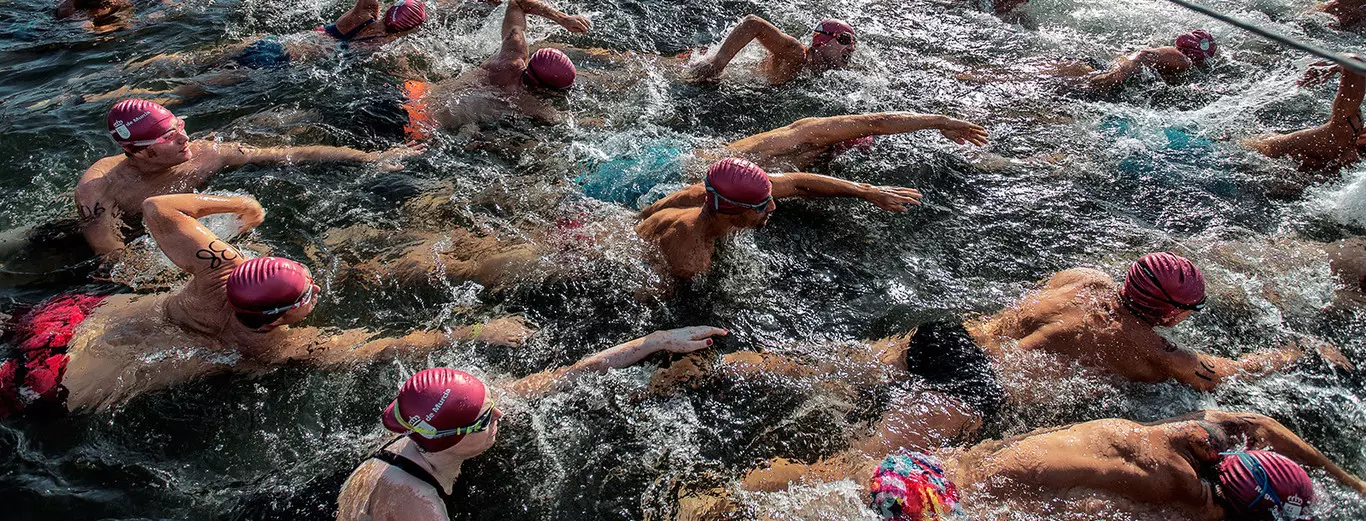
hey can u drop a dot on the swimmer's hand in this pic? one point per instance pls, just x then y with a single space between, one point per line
962 132
704 71
1319 73
893 198
1329 352
506 332
681 340
576 24
392 159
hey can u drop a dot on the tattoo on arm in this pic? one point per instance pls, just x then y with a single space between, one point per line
87 214
1205 371
216 255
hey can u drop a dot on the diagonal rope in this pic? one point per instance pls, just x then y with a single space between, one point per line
1287 41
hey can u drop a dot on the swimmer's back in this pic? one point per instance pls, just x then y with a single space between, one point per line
377 491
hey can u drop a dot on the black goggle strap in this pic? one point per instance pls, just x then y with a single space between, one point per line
1264 489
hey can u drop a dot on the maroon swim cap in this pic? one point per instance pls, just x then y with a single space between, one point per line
267 284
1159 283
738 180
404 15
551 68
832 26
1259 481
436 400
1198 45
134 120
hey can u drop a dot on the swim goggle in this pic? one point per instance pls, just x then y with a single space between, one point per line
307 296
1153 278
165 137
1283 510
759 207
842 38
482 423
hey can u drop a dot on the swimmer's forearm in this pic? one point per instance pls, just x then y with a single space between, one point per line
542 9
616 357
316 153
802 184
195 206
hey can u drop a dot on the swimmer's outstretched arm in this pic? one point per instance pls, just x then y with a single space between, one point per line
800 184
823 132
1346 108
1204 372
359 345
782 45
1262 432
237 154
173 220
682 340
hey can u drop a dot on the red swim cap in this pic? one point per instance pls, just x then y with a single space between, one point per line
1259 481
830 25
1198 45
435 400
134 120
404 15
1160 283
738 180
551 68
267 284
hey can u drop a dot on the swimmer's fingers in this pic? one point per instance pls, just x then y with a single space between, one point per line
577 24
896 198
1335 357
683 340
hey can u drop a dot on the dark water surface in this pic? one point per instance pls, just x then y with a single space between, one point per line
1067 181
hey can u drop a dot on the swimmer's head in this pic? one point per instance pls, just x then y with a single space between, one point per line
739 188
1163 288
833 41
439 408
148 131
549 68
271 291
404 15
1198 45
910 486
1256 483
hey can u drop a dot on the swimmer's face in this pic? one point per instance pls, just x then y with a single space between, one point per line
831 52
173 150
297 314
475 444
759 220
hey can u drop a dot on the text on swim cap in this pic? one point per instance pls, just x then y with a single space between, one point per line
436 408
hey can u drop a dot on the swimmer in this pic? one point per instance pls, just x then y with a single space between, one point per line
1207 465
1190 50
1332 145
363 28
799 145
101 14
737 195
832 42
444 417
1080 314
160 158
512 81
234 315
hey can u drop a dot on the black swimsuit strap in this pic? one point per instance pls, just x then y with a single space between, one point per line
350 35
411 467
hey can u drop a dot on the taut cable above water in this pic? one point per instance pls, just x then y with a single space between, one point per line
1341 59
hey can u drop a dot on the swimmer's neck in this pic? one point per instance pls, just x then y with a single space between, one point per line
444 465
1124 312
714 225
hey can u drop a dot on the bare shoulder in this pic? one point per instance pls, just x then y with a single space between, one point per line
100 169
399 495
1088 277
